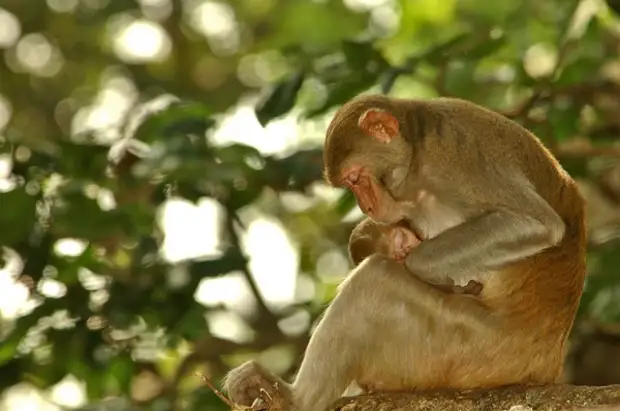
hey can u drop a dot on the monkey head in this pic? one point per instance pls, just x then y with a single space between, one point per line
365 151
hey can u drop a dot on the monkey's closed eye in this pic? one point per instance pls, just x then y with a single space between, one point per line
352 177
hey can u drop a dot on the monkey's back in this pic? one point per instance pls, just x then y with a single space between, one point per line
540 294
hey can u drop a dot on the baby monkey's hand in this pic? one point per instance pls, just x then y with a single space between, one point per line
400 243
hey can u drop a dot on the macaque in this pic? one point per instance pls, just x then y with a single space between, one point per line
394 241
488 203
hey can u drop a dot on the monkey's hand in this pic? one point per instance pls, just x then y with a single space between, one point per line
251 381
400 243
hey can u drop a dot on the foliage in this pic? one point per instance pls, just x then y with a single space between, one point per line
553 66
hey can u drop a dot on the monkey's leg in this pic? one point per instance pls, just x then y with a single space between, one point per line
380 324
379 298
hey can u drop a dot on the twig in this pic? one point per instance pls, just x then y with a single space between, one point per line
215 390
230 226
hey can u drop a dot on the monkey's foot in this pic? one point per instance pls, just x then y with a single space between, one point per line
250 381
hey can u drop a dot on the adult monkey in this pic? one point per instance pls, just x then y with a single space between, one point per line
489 203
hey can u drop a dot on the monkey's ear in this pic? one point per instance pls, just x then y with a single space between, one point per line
379 124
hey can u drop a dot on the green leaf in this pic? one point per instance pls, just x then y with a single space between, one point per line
614 5
564 119
121 369
439 53
577 72
361 55
94 223
485 48
8 346
295 172
602 279
17 217
232 260
345 203
179 118
343 91
458 77
192 324
87 161
281 99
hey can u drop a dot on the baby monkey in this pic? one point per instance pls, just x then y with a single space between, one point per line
395 241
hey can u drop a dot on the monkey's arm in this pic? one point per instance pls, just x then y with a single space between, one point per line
487 242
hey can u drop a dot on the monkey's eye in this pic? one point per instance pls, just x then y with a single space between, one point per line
353 177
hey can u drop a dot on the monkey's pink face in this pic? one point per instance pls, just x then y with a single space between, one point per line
372 198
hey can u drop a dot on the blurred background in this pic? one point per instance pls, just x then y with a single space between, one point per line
162 210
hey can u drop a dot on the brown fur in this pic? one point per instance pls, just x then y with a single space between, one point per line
466 167
369 237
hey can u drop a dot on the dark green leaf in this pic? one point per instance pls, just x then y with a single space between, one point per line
346 203
281 99
439 53
17 217
614 5
458 77
230 261
564 119
362 56
85 161
579 71
176 119
343 91
192 324
485 48
122 369
95 224
8 346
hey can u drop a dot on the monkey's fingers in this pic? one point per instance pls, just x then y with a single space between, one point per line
401 242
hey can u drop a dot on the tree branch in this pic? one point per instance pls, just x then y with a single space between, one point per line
538 398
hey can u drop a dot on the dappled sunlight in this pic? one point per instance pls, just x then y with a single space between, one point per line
70 392
216 21
191 231
140 41
5 111
273 260
10 29
109 106
35 54
13 295
62 6
242 126
89 69
24 397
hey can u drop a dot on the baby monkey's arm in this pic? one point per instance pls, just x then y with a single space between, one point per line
394 241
